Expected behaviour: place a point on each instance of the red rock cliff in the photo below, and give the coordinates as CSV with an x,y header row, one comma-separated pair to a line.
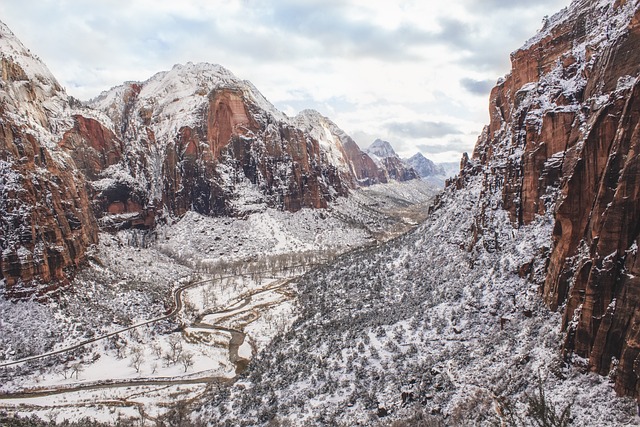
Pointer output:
x,y
564,141
221,149
46,220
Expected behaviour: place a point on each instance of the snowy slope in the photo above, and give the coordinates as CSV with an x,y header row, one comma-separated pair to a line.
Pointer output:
x,y
435,323
34,97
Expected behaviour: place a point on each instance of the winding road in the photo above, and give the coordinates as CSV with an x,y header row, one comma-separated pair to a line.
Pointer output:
x,y
177,302
237,339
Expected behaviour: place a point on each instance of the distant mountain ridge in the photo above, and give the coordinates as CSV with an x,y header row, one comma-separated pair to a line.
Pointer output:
x,y
424,166
436,173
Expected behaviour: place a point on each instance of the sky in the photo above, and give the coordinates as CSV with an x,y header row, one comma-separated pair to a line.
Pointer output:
x,y
416,73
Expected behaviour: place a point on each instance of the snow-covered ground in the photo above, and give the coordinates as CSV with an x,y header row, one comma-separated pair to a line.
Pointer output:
x,y
238,299
435,326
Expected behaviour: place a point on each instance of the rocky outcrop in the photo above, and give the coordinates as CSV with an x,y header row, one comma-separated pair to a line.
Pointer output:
x,y
563,142
46,220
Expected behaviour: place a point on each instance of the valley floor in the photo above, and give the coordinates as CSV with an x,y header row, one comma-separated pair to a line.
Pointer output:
x,y
164,317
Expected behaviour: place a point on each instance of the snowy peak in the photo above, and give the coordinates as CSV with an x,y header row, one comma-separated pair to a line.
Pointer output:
x,y
341,149
381,149
30,93
12,50
424,166
386,158
176,98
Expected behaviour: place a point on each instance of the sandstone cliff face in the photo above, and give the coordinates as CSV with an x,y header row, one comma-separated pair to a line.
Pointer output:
x,y
197,138
355,166
564,141
46,220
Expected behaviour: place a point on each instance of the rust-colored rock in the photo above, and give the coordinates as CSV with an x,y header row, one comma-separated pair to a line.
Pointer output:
x,y
46,222
92,146
564,141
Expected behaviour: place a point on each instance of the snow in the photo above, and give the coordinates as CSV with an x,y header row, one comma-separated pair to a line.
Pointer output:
x,y
432,314
381,149
236,265
328,135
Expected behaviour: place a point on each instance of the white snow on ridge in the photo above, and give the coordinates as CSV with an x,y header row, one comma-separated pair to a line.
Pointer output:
x,y
328,135
13,49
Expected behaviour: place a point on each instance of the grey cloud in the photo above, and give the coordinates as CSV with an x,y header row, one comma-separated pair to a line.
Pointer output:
x,y
477,87
456,33
329,24
486,6
422,129
455,145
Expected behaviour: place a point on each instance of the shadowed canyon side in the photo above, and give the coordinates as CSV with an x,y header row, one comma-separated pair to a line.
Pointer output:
x,y
564,138
46,220
198,138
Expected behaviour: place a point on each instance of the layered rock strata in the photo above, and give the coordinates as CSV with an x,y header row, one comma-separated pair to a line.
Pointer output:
x,y
564,141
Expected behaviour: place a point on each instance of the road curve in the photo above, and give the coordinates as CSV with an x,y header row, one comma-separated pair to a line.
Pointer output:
x,y
177,306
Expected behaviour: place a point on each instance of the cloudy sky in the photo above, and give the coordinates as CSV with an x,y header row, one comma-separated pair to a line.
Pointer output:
x,y
414,72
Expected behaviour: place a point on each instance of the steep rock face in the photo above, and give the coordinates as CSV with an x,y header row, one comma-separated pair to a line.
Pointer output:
x,y
196,137
383,153
563,141
46,220
92,146
355,166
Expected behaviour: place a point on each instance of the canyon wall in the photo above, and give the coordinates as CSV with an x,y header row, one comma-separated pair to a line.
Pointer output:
x,y
46,219
564,141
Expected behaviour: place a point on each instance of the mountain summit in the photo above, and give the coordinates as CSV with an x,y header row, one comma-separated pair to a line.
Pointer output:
x,y
385,156
424,166
381,149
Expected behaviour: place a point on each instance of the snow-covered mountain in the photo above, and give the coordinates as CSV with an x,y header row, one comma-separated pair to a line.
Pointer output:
x,y
198,138
387,159
381,149
341,149
435,173
424,166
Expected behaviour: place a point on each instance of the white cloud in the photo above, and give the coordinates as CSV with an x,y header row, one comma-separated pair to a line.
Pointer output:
x,y
365,64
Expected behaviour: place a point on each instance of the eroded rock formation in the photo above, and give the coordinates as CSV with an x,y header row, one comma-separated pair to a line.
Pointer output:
x,y
46,220
564,141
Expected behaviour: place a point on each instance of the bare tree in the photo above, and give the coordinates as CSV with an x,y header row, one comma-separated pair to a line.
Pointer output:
x,y
157,350
76,368
175,349
186,359
137,358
